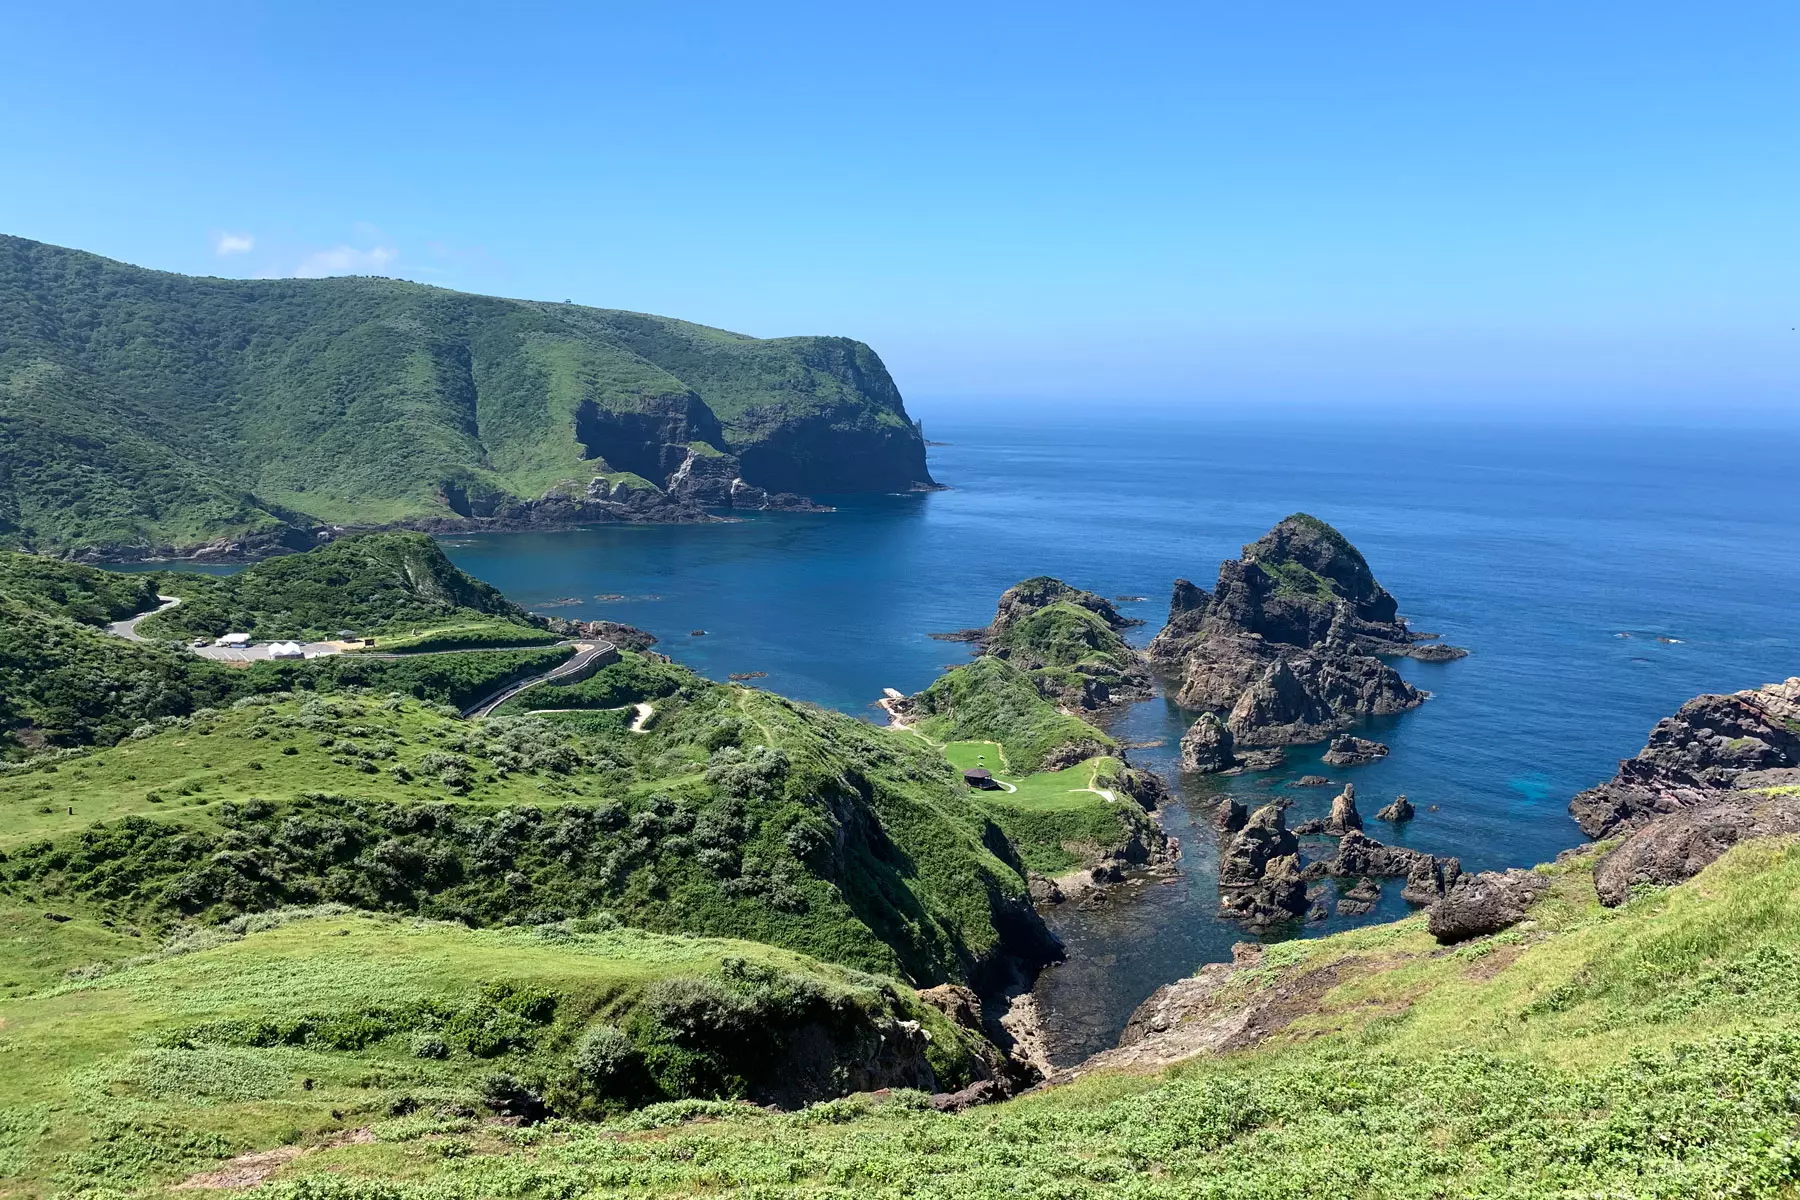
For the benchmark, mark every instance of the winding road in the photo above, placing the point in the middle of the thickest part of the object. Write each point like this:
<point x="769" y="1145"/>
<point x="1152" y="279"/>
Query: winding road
<point x="127" y="628"/>
<point x="585" y="654"/>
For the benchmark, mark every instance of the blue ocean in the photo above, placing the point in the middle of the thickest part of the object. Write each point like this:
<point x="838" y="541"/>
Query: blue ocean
<point x="1598" y="576"/>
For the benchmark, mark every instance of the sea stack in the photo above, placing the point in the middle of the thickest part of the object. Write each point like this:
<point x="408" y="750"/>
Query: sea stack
<point x="1288" y="647"/>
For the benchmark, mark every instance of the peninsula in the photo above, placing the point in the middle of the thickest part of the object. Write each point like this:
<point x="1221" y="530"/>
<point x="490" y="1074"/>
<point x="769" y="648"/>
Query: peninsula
<point x="145" y="414"/>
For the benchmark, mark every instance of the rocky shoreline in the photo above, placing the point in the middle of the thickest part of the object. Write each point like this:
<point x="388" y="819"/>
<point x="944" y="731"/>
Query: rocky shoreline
<point x="1723" y="769"/>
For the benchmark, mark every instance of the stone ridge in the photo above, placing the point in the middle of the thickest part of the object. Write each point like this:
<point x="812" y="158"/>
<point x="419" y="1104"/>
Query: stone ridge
<point x="1713" y="745"/>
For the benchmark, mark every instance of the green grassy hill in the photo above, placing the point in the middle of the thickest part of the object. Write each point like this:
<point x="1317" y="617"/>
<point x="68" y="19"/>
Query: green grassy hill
<point x="388" y="583"/>
<point x="64" y="682"/>
<point x="143" y="410"/>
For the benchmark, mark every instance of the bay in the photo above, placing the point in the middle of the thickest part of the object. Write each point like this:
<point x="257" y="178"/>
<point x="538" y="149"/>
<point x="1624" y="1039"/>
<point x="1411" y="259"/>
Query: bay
<point x="1599" y="577"/>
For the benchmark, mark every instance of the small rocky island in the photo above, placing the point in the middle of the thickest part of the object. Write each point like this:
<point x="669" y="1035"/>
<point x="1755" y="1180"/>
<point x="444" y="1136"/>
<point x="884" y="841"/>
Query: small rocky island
<point x="1287" y="648"/>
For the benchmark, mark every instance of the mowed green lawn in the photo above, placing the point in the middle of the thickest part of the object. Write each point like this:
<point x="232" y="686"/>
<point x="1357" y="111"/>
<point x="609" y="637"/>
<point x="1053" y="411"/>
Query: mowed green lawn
<point x="1071" y="787"/>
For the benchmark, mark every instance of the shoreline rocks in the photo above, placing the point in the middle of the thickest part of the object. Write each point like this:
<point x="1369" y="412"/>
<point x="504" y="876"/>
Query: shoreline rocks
<point x="1482" y="904"/>
<point x="1695" y="756"/>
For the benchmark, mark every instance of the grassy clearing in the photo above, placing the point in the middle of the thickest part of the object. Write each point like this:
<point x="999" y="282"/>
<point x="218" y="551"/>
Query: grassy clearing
<point x="990" y="699"/>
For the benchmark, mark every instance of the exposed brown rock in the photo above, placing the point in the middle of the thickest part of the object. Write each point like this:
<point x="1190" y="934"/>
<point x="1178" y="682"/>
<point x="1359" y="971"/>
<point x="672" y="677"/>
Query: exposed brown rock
<point x="1695" y="756"/>
<point x="1483" y="904"/>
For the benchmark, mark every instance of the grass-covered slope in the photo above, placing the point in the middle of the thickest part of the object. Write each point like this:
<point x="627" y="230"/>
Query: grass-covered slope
<point x="371" y="584"/>
<point x="132" y="1066"/>
<point x="1070" y="642"/>
<point x="991" y="700"/>
<point x="83" y="594"/>
<point x="1063" y="798"/>
<point x="142" y="410"/>
<point x="1644" y="1051"/>
<point x="736" y="813"/>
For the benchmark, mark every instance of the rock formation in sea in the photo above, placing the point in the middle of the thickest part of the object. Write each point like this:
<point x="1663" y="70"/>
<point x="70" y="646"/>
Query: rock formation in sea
<point x="1260" y="880"/>
<point x="1348" y="751"/>
<point x="1206" y="748"/>
<point x="1289" y="644"/>
<point x="1400" y="810"/>
<point x="1344" y="816"/>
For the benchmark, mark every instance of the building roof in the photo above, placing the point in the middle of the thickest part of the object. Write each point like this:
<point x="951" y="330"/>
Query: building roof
<point x="978" y="773"/>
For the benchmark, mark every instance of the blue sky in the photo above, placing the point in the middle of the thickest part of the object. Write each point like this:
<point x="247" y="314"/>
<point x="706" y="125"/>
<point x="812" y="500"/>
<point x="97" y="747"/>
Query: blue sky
<point x="1442" y="205"/>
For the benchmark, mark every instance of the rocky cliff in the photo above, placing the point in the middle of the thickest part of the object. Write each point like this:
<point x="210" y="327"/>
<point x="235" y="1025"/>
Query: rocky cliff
<point x="144" y="412"/>
<point x="1289" y="644"/>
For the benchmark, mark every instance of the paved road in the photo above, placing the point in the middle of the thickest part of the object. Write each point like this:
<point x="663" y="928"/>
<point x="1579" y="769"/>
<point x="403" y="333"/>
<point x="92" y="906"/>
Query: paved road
<point x="127" y="628"/>
<point x="585" y="653"/>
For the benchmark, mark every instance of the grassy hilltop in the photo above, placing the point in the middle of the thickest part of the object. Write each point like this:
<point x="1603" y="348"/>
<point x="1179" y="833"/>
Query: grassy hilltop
<point x="143" y="410"/>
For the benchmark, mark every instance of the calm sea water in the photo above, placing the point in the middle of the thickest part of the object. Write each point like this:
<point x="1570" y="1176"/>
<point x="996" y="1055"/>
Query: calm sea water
<point x="1562" y="558"/>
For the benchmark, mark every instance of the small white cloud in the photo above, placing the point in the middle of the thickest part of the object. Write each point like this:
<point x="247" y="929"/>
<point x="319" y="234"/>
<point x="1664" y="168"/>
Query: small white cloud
<point x="227" y="244"/>
<point x="345" y="260"/>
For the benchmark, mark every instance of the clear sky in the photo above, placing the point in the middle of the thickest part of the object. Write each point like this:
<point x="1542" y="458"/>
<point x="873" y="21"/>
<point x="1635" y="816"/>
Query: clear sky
<point x="1442" y="204"/>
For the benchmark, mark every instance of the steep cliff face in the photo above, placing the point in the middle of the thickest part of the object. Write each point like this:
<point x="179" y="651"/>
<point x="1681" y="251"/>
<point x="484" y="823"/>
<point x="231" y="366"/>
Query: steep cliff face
<point x="142" y="411"/>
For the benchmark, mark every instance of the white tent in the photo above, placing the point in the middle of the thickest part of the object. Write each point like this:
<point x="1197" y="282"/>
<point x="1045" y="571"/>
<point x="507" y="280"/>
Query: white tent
<point x="286" y="650"/>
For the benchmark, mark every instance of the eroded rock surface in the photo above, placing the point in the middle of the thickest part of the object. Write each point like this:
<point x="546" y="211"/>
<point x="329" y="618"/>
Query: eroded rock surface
<point x="1289" y="643"/>
<point x="1347" y="751"/>
<point x="1483" y="904"/>
<point x="1696" y="756"/>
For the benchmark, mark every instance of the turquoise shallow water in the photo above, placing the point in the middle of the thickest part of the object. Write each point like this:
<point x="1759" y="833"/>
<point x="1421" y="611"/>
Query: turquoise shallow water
<point x="1535" y="548"/>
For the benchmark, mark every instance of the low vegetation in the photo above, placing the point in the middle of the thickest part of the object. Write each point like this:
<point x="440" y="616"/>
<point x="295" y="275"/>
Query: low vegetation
<point x="1643" y="1051"/>
<point x="394" y="583"/>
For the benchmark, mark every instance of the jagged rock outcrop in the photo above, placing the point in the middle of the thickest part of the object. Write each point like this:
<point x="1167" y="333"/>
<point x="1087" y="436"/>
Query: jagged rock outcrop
<point x="1677" y="846"/>
<point x="1290" y="642"/>
<point x="1344" y="818"/>
<point x="1359" y="898"/>
<point x="1696" y="756"/>
<point x="1260" y="877"/>
<point x="1207" y="747"/>
<point x="1427" y="876"/>
<point x="1347" y="751"/>
<point x="1400" y="810"/>
<point x="1230" y="815"/>
<point x="626" y="637"/>
<point x="1482" y="904"/>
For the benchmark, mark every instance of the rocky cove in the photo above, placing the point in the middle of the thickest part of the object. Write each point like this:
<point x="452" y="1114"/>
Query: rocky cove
<point x="836" y="607"/>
